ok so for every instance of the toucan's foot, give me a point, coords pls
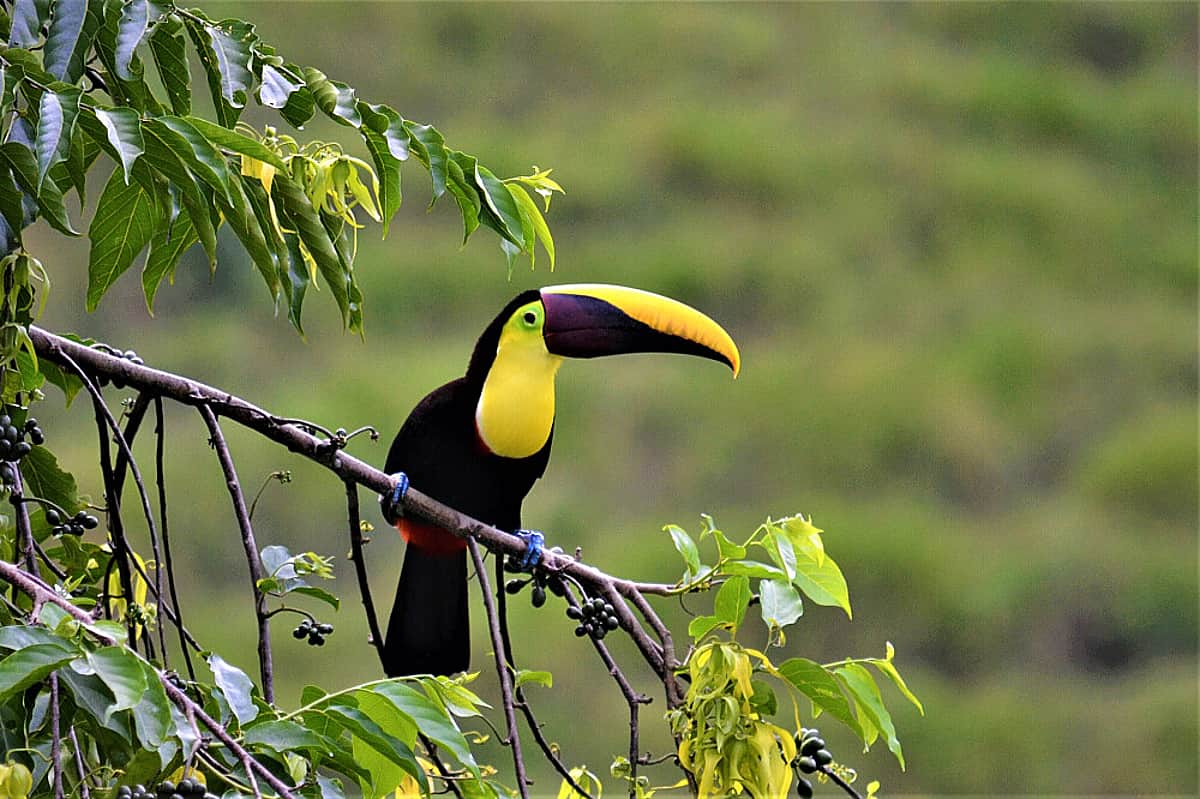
(392, 504)
(533, 549)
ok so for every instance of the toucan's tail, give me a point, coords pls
(429, 629)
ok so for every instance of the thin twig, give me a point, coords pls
(116, 529)
(160, 484)
(502, 669)
(134, 422)
(55, 737)
(26, 543)
(841, 783)
(84, 791)
(526, 709)
(443, 771)
(217, 438)
(632, 698)
(360, 567)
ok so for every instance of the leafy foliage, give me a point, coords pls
(75, 85)
(725, 739)
(365, 736)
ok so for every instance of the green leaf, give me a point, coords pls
(248, 231)
(502, 205)
(69, 384)
(169, 50)
(121, 672)
(282, 736)
(42, 475)
(124, 129)
(702, 626)
(763, 701)
(319, 594)
(19, 636)
(152, 714)
(430, 149)
(83, 154)
(466, 197)
(235, 686)
(334, 98)
(10, 200)
(27, 19)
(297, 281)
(72, 25)
(231, 41)
(865, 692)
(300, 106)
(31, 665)
(780, 603)
(276, 88)
(529, 209)
(166, 247)
(430, 719)
(526, 676)
(886, 666)
(364, 729)
(137, 17)
(200, 209)
(686, 547)
(125, 221)
(818, 684)
(93, 697)
(204, 160)
(733, 598)
(823, 583)
(49, 199)
(304, 220)
(223, 137)
(56, 123)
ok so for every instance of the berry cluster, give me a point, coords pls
(13, 445)
(166, 790)
(315, 632)
(73, 526)
(595, 616)
(541, 581)
(812, 757)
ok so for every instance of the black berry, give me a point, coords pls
(811, 745)
(538, 596)
(807, 765)
(325, 628)
(823, 757)
(52, 517)
(804, 788)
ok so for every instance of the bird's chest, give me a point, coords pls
(515, 413)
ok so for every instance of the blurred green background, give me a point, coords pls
(957, 244)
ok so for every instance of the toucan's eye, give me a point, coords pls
(530, 318)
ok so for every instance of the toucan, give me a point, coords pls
(480, 442)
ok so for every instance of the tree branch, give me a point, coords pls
(296, 439)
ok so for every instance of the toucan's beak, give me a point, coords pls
(587, 320)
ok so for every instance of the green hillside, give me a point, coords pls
(957, 245)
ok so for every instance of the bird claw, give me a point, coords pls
(391, 504)
(533, 549)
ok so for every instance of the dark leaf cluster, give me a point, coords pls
(89, 78)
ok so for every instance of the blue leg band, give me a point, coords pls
(533, 548)
(390, 512)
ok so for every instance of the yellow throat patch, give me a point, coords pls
(515, 413)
